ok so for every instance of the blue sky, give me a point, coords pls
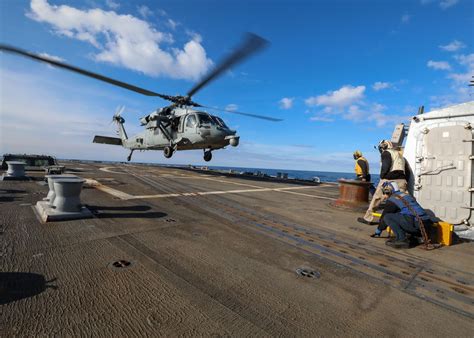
(340, 73)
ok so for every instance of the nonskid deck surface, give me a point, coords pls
(217, 255)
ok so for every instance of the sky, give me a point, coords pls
(340, 73)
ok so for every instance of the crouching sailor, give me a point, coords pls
(403, 215)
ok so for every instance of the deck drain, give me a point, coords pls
(170, 220)
(308, 273)
(120, 264)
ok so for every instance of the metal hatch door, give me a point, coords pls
(446, 173)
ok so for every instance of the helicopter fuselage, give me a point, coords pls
(181, 129)
(193, 130)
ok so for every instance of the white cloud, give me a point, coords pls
(349, 104)
(52, 57)
(112, 4)
(406, 18)
(355, 113)
(321, 119)
(439, 65)
(144, 11)
(381, 85)
(444, 4)
(467, 62)
(125, 40)
(231, 107)
(172, 24)
(342, 97)
(453, 46)
(196, 37)
(458, 90)
(373, 112)
(286, 103)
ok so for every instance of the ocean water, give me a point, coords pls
(324, 176)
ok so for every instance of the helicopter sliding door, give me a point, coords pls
(189, 132)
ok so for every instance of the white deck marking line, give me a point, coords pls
(235, 183)
(221, 192)
(314, 196)
(111, 191)
(107, 169)
(210, 178)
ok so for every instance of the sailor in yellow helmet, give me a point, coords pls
(393, 168)
(361, 167)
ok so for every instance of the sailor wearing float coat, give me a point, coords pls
(361, 167)
(394, 168)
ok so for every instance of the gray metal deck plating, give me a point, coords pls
(217, 255)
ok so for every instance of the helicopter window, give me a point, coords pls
(206, 119)
(221, 122)
(191, 121)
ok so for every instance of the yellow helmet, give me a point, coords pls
(357, 154)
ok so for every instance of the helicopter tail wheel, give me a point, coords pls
(168, 151)
(129, 157)
(207, 155)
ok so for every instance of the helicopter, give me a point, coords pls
(178, 126)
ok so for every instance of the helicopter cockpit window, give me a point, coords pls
(191, 121)
(206, 119)
(221, 122)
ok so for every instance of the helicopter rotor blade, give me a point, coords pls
(252, 43)
(21, 52)
(263, 117)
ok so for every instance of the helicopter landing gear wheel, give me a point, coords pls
(168, 151)
(207, 155)
(129, 157)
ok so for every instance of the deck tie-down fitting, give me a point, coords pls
(15, 171)
(51, 193)
(67, 191)
(63, 201)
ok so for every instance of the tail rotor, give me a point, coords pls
(118, 115)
